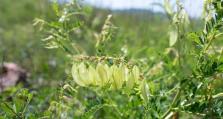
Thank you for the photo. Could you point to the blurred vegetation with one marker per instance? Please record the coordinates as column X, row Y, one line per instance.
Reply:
column 20, row 43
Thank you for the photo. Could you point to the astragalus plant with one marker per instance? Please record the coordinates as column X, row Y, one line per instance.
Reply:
column 105, row 85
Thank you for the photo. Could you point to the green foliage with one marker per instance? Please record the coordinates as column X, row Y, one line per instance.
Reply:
column 18, row 107
column 123, row 65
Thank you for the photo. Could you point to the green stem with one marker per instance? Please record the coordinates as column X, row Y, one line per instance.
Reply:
column 172, row 105
column 199, row 114
column 210, row 42
column 171, row 90
column 219, row 95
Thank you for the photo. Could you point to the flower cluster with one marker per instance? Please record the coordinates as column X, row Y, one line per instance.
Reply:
column 103, row 75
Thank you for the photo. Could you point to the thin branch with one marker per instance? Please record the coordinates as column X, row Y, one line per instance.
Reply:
column 172, row 105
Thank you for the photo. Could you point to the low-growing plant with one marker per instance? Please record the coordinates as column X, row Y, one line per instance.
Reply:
column 16, row 106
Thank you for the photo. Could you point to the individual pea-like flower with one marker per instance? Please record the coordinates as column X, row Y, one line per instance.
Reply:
column 118, row 76
column 103, row 73
column 80, row 74
column 144, row 88
column 93, row 75
column 132, row 78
